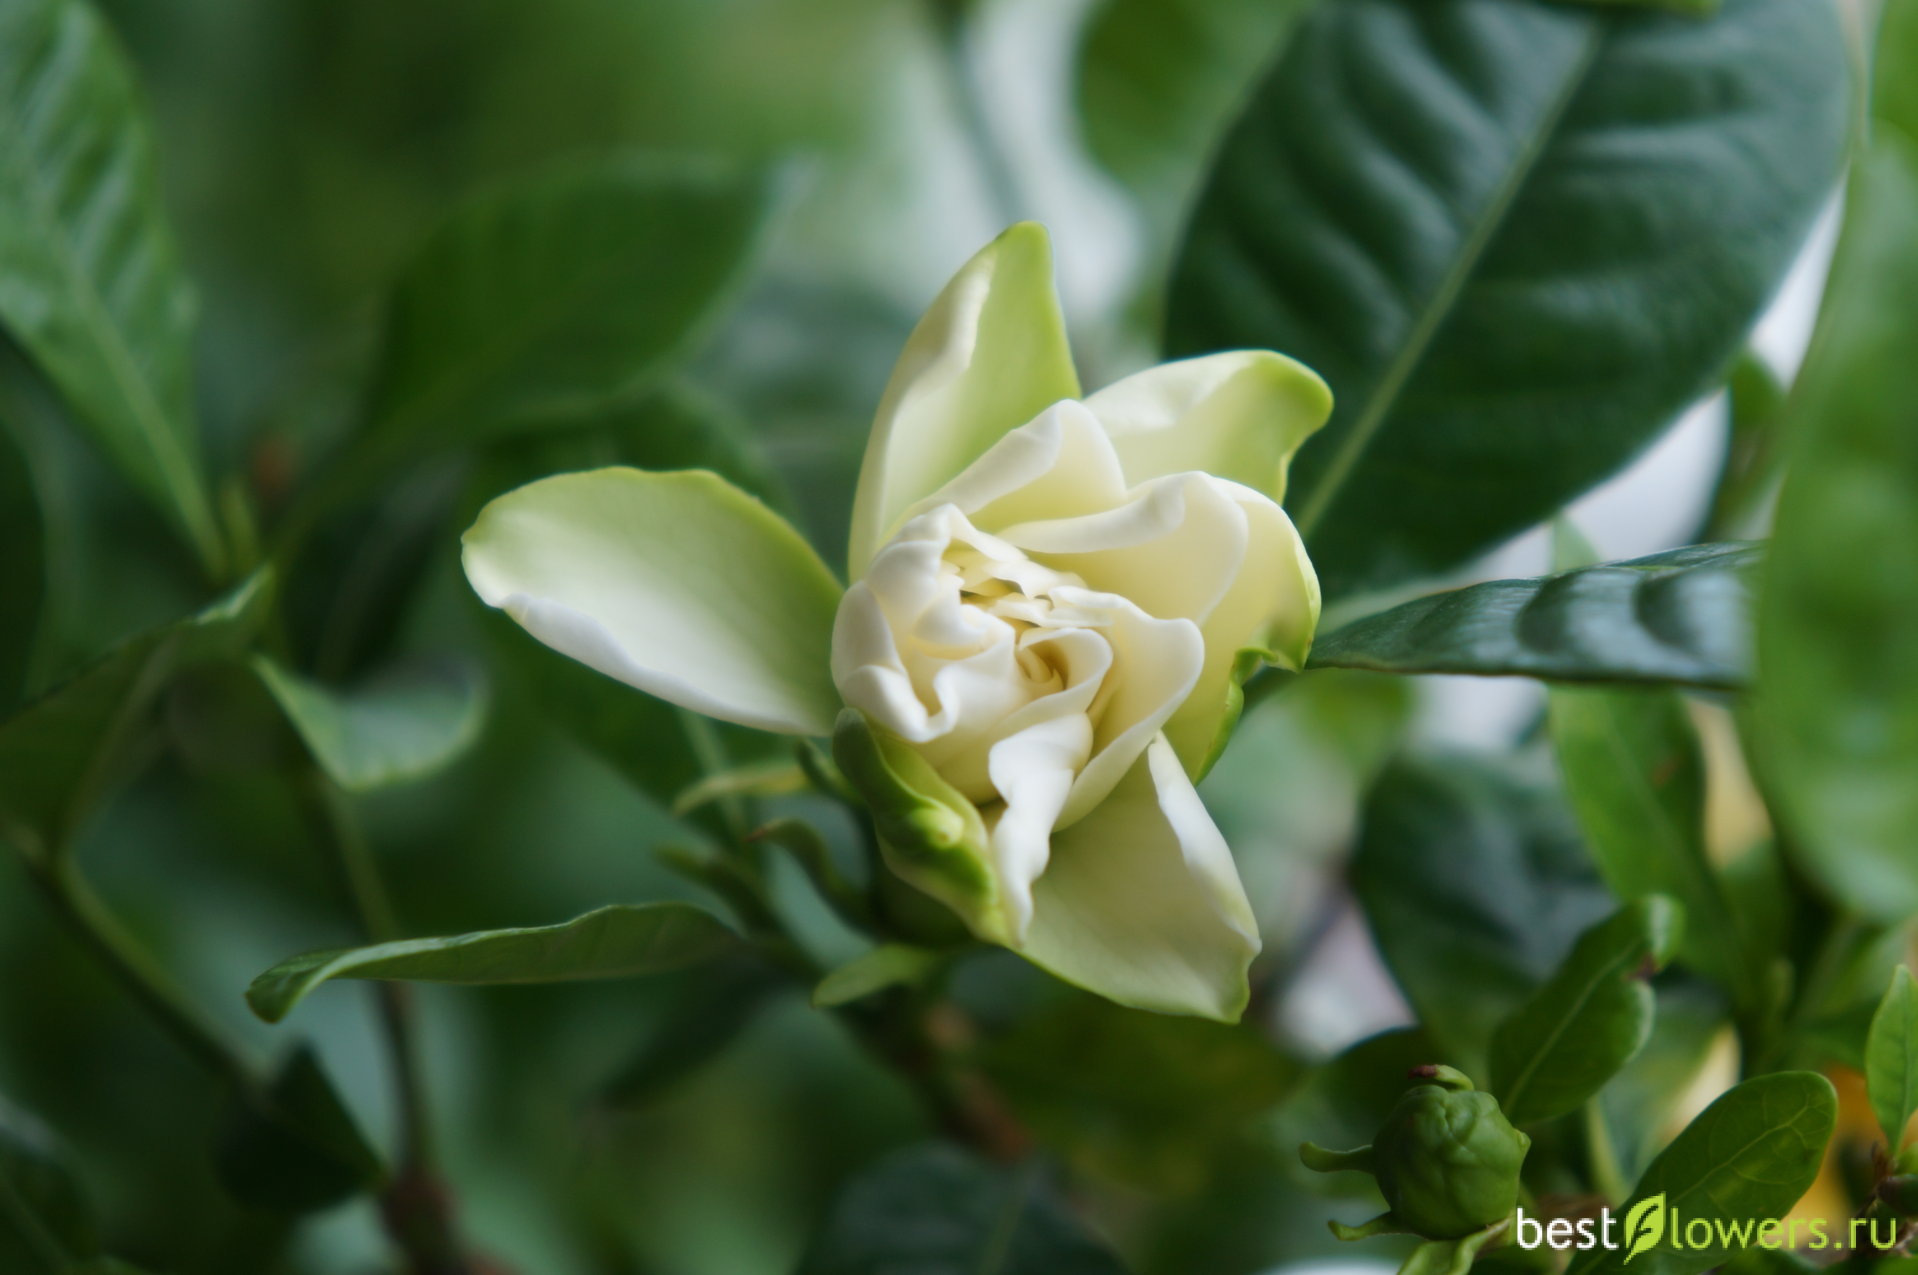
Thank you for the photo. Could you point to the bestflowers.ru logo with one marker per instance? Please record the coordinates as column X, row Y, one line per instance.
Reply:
column 1651, row 1224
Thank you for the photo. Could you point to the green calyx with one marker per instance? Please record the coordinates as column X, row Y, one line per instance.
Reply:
column 1447, row 1160
column 930, row 835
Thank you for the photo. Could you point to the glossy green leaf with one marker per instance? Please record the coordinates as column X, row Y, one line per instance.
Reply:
column 1638, row 1106
column 1147, row 1100
column 1635, row 774
column 60, row 753
column 401, row 726
column 1516, row 240
column 1473, row 882
column 622, row 940
column 93, row 285
column 1747, row 1157
column 1589, row 1019
column 553, row 298
column 887, row 966
column 1838, row 723
column 1891, row 1059
column 293, row 1148
column 1679, row 617
column 936, row 1210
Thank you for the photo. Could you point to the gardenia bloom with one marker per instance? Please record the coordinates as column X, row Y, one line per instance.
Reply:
column 1053, row 603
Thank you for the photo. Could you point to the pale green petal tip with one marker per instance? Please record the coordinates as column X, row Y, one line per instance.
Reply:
column 932, row 837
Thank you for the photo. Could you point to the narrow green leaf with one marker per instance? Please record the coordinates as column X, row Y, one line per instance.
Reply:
column 1591, row 1018
column 1746, row 1158
column 556, row 297
column 936, row 1210
column 1676, row 617
column 293, row 1148
column 886, row 966
column 94, row 289
column 1147, row 1100
column 1516, row 240
column 1473, row 882
column 401, row 726
column 619, row 941
column 1891, row 1059
column 1636, row 778
column 1838, row 703
column 59, row 754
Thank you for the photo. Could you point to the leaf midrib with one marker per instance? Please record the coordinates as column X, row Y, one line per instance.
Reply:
column 1563, row 1024
column 1439, row 308
column 177, row 471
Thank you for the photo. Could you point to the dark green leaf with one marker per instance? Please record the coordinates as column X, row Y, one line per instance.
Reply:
column 1591, row 1018
column 59, row 754
column 45, row 1219
column 619, row 941
column 1891, row 1059
column 1635, row 774
column 1747, row 1157
column 1838, row 719
column 554, row 298
column 720, row 1001
column 401, row 726
column 1516, row 240
column 94, row 288
column 1679, row 616
column 293, row 1148
column 938, row 1211
column 1473, row 883
column 23, row 565
column 1145, row 1099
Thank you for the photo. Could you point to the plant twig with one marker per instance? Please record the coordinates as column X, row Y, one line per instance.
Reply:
column 415, row 1205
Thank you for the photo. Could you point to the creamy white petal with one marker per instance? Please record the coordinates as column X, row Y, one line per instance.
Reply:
column 1058, row 465
column 1239, row 415
column 1140, row 901
column 1034, row 771
column 989, row 355
column 1173, row 548
column 677, row 583
column 1272, row 609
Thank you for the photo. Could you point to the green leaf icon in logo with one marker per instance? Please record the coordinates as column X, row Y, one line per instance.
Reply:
column 1644, row 1225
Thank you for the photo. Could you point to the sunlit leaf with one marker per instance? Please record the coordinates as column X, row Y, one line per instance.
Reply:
column 1891, row 1059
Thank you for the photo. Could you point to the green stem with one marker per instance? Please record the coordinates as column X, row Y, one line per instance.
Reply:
column 415, row 1206
column 137, row 972
column 1601, row 1157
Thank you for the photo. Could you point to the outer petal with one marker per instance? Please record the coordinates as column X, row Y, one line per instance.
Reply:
column 989, row 355
column 1141, row 903
column 677, row 583
column 1239, row 415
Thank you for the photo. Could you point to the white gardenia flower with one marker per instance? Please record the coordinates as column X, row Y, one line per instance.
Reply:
column 1053, row 602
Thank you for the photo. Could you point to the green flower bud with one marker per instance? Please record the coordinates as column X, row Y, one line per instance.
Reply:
column 1448, row 1159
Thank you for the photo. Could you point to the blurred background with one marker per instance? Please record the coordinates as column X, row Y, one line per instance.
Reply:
column 307, row 147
